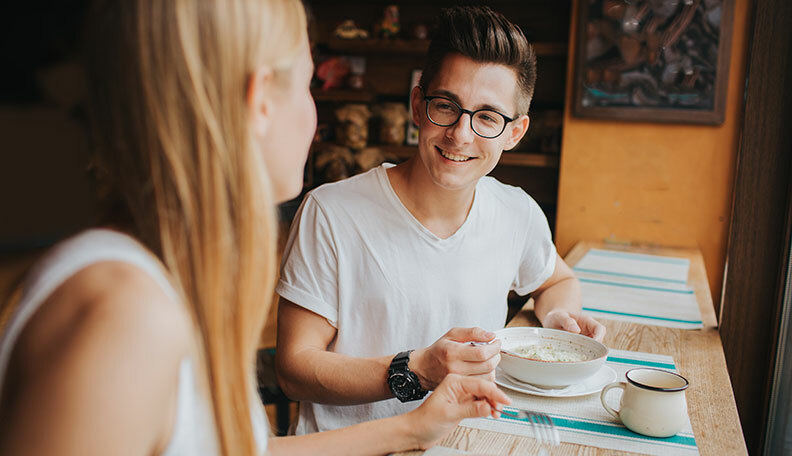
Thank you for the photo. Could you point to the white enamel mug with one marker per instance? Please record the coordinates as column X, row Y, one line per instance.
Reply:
column 652, row 403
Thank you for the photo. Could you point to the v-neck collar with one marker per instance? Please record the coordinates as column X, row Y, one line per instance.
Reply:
column 396, row 202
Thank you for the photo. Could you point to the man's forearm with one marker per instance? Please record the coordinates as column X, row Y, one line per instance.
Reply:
column 563, row 295
column 331, row 378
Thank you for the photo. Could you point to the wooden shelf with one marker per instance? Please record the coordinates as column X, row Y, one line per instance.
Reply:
column 419, row 47
column 383, row 48
column 550, row 49
column 400, row 152
column 508, row 158
column 343, row 95
column 529, row 159
column 415, row 47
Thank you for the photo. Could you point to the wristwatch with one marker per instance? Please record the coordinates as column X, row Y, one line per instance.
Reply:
column 403, row 382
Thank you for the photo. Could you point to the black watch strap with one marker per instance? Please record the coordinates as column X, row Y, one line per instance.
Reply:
column 400, row 361
column 403, row 382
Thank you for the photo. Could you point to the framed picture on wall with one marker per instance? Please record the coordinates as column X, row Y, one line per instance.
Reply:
column 653, row 60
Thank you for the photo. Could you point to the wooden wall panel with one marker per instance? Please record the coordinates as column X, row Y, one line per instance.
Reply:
column 761, row 221
column 668, row 184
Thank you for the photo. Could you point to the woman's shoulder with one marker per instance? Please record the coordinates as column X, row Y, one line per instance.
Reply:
column 113, row 304
column 102, row 352
column 102, row 279
column 118, row 297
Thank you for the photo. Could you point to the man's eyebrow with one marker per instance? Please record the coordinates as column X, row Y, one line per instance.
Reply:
column 447, row 94
column 453, row 97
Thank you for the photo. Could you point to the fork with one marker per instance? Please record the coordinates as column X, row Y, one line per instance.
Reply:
column 542, row 425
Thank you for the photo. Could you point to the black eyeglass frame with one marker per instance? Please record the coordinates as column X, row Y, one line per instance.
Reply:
column 428, row 99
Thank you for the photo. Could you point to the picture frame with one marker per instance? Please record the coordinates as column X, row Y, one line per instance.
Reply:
column 653, row 60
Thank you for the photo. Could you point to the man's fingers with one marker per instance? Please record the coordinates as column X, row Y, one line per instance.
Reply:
column 479, row 353
column 591, row 327
column 477, row 368
column 490, row 377
column 594, row 329
column 474, row 334
column 599, row 333
column 577, row 323
column 472, row 369
column 571, row 325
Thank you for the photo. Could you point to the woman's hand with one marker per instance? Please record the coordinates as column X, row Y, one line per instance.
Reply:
column 457, row 397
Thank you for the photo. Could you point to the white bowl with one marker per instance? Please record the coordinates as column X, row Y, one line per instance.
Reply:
column 550, row 374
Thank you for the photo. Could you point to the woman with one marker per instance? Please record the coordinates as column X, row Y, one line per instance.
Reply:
column 144, row 342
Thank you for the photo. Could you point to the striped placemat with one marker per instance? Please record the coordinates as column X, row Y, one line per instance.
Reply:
column 645, row 289
column 584, row 421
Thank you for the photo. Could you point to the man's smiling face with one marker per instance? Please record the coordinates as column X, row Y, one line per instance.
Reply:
column 455, row 157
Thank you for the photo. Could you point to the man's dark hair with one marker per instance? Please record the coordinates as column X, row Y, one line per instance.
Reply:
column 485, row 36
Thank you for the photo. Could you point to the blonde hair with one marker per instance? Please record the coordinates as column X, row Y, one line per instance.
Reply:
column 169, row 83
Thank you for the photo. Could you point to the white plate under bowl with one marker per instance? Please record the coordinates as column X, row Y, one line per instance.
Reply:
column 591, row 385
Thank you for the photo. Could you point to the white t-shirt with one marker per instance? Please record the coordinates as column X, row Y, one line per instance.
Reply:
column 359, row 258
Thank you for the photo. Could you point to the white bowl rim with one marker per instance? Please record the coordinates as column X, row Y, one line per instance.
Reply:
column 553, row 331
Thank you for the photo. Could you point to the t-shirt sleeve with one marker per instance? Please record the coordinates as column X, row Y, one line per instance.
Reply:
column 310, row 263
column 539, row 253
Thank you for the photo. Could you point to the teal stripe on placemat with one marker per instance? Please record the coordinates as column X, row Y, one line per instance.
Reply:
column 640, row 287
column 631, row 276
column 626, row 314
column 640, row 362
column 639, row 257
column 615, row 431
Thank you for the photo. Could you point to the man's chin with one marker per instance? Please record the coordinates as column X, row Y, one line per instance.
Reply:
column 454, row 183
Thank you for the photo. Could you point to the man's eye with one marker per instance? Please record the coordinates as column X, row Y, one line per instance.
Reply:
column 489, row 118
column 446, row 106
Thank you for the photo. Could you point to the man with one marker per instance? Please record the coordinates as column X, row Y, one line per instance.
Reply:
column 388, row 261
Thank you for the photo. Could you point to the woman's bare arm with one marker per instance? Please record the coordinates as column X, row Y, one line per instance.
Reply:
column 95, row 371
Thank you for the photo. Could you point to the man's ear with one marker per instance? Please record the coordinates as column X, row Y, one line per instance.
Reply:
column 259, row 96
column 416, row 101
column 516, row 130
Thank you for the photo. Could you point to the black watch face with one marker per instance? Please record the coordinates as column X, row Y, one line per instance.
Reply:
column 403, row 386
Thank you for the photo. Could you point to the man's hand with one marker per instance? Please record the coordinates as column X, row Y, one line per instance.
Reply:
column 558, row 304
column 452, row 353
column 575, row 323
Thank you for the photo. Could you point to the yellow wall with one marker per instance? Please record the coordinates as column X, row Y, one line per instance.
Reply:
column 667, row 184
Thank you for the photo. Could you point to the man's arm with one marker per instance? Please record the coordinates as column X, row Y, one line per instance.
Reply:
column 307, row 371
column 558, row 304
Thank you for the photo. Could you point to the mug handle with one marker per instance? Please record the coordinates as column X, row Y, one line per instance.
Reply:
column 620, row 385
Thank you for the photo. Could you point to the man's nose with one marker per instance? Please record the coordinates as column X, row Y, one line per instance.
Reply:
column 461, row 132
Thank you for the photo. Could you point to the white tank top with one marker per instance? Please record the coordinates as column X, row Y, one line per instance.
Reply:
column 194, row 431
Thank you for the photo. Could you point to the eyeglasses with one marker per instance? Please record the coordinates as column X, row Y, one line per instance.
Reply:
column 484, row 122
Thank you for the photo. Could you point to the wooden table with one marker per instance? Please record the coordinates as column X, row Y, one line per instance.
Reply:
column 698, row 354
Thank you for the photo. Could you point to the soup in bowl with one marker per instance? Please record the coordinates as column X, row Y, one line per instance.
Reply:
column 549, row 358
